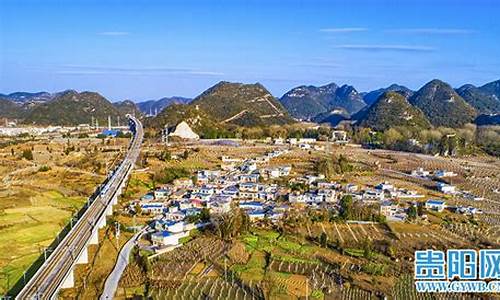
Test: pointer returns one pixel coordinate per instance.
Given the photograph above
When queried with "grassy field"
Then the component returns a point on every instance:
(36, 203)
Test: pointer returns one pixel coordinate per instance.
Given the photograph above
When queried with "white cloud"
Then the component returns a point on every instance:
(114, 33)
(344, 29)
(384, 47)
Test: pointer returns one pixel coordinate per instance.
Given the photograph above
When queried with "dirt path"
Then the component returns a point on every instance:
(338, 232)
(352, 232)
(235, 116)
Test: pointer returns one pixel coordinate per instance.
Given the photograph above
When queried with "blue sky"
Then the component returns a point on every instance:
(150, 49)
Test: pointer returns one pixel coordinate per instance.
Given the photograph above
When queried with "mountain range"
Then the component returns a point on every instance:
(72, 108)
(25, 97)
(153, 107)
(238, 104)
(128, 107)
(223, 106)
(306, 102)
(241, 104)
(372, 96)
(442, 105)
(392, 109)
(485, 99)
(59, 108)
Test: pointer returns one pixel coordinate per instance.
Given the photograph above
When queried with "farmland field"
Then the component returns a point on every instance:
(358, 260)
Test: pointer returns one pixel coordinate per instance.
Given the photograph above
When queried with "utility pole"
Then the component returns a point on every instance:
(45, 253)
(133, 218)
(165, 134)
(117, 234)
(307, 288)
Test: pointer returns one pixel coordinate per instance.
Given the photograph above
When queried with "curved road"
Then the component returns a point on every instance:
(111, 284)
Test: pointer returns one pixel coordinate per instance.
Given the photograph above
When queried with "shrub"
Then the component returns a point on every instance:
(168, 175)
(27, 154)
(374, 269)
(44, 168)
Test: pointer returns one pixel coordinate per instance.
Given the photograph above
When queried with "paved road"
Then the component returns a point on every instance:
(111, 284)
(47, 281)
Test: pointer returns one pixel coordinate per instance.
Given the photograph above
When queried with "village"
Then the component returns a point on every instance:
(267, 192)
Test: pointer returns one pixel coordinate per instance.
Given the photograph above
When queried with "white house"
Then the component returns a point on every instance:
(161, 193)
(420, 172)
(255, 215)
(437, 205)
(249, 166)
(404, 193)
(388, 208)
(296, 198)
(307, 140)
(277, 172)
(167, 238)
(249, 187)
(253, 205)
(385, 186)
(373, 195)
(339, 136)
(153, 207)
(311, 178)
(207, 189)
(249, 178)
(248, 195)
(273, 172)
(327, 185)
(443, 173)
(313, 197)
(351, 188)
(328, 195)
(285, 170)
(279, 141)
(446, 188)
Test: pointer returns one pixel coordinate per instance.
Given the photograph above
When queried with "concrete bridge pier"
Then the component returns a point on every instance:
(83, 258)
(102, 222)
(69, 281)
(94, 239)
(109, 209)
